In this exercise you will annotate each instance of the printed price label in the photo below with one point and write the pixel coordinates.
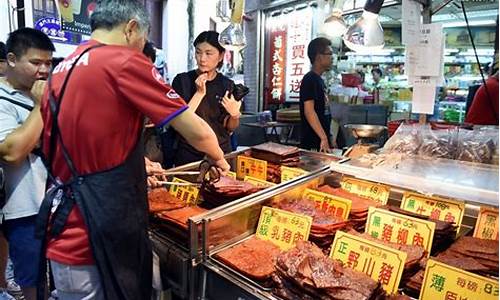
(434, 207)
(374, 191)
(248, 166)
(446, 282)
(337, 206)
(397, 228)
(283, 228)
(288, 173)
(380, 262)
(487, 224)
(189, 194)
(258, 182)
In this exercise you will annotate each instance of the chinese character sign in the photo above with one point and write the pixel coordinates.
(277, 42)
(283, 228)
(247, 166)
(397, 228)
(299, 31)
(435, 208)
(188, 194)
(487, 224)
(336, 206)
(445, 282)
(381, 263)
(258, 182)
(288, 173)
(75, 15)
(374, 191)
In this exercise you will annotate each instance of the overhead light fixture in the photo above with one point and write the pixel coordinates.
(232, 38)
(334, 25)
(471, 23)
(366, 33)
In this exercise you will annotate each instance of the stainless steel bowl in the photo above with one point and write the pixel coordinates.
(365, 131)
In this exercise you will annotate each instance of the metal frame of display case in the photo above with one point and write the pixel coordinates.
(185, 258)
(221, 282)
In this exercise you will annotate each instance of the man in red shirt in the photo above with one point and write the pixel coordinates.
(97, 241)
(484, 107)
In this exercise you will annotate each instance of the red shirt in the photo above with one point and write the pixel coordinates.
(108, 94)
(484, 109)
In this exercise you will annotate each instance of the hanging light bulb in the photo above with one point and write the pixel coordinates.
(232, 38)
(366, 33)
(334, 25)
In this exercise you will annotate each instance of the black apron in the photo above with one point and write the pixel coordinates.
(114, 206)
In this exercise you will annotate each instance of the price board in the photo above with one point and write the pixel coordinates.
(288, 173)
(487, 224)
(283, 228)
(337, 206)
(375, 191)
(400, 229)
(248, 166)
(446, 282)
(378, 261)
(188, 194)
(434, 207)
(258, 182)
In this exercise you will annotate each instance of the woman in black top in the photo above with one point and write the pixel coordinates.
(206, 92)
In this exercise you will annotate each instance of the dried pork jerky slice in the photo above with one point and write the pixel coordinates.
(160, 200)
(275, 148)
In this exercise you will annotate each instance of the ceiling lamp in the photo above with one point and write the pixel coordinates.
(366, 33)
(334, 25)
(232, 38)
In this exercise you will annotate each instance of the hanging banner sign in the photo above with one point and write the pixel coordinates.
(282, 227)
(487, 224)
(278, 42)
(400, 229)
(434, 207)
(75, 15)
(446, 282)
(299, 32)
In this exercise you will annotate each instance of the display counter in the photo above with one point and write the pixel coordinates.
(180, 249)
(470, 185)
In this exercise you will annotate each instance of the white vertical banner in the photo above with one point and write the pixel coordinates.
(411, 21)
(299, 31)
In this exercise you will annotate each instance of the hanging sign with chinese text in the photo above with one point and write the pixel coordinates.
(75, 15)
(299, 32)
(278, 42)
(374, 191)
(283, 228)
(337, 206)
(434, 207)
(487, 224)
(396, 228)
(288, 173)
(380, 262)
(188, 194)
(445, 282)
(258, 182)
(248, 166)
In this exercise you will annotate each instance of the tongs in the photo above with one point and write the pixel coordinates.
(207, 174)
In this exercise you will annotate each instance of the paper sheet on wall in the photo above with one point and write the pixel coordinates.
(411, 21)
(424, 95)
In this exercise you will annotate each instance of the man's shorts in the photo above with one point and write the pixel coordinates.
(24, 249)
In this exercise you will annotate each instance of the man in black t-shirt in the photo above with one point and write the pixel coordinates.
(314, 123)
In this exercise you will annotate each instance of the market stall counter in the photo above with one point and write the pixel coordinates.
(332, 229)
(178, 210)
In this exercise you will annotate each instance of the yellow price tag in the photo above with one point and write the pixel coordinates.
(283, 228)
(188, 194)
(258, 182)
(446, 282)
(434, 207)
(288, 173)
(487, 224)
(374, 191)
(378, 261)
(231, 174)
(248, 166)
(397, 228)
(337, 206)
